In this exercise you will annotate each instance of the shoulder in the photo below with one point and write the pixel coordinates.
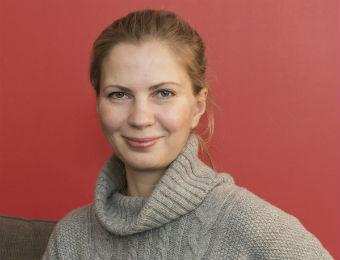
(74, 220)
(263, 230)
(69, 234)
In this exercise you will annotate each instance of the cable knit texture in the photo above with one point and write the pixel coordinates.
(193, 213)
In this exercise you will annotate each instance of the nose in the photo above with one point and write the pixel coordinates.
(141, 114)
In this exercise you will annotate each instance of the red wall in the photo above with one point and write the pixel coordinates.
(274, 72)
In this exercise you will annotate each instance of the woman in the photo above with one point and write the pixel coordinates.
(154, 198)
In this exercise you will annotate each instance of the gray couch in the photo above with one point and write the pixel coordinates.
(23, 239)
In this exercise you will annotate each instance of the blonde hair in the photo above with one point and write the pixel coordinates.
(139, 26)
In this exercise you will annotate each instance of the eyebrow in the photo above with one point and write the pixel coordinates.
(153, 87)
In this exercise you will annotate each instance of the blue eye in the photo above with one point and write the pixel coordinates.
(118, 95)
(164, 93)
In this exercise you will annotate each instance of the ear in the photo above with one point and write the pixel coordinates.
(97, 104)
(201, 100)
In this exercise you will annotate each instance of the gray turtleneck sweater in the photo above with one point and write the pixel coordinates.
(193, 213)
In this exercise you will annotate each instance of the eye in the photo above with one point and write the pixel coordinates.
(165, 93)
(118, 95)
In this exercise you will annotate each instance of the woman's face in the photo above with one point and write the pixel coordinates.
(146, 105)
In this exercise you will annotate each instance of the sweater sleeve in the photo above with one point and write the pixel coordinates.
(51, 249)
(262, 231)
(67, 238)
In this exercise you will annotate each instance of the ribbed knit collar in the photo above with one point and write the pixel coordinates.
(184, 185)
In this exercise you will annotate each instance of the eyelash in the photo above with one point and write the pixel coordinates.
(111, 95)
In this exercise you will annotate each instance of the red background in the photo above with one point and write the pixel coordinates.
(274, 72)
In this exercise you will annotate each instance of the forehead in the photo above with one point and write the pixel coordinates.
(147, 63)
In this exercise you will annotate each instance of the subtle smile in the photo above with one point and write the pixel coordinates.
(141, 142)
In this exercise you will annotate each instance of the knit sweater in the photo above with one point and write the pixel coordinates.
(193, 213)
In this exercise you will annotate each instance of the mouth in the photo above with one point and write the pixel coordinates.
(141, 142)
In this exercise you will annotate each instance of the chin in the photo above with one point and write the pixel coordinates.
(145, 164)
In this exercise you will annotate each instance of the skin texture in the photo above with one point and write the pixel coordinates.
(128, 106)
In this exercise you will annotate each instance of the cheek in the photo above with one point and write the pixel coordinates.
(110, 119)
(177, 117)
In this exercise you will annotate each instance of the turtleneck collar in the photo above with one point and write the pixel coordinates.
(184, 185)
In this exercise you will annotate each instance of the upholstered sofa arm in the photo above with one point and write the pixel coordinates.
(22, 238)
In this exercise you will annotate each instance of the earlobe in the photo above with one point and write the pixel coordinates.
(97, 106)
(200, 107)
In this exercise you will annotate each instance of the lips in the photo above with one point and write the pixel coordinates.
(148, 139)
(141, 142)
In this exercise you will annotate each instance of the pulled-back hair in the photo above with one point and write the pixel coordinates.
(167, 27)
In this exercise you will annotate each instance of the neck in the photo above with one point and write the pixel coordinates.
(142, 183)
